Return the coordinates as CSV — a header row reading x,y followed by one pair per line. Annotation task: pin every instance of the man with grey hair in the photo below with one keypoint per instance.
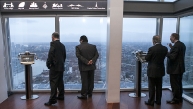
x,y
155,70
55,62
176,67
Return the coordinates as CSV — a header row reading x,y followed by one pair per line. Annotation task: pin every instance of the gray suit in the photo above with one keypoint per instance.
x,y
86,52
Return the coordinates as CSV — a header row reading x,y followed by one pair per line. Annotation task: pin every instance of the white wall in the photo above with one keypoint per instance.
x,y
114,48
3,84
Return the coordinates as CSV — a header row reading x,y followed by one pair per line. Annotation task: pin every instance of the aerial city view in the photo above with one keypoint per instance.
x,y
72,75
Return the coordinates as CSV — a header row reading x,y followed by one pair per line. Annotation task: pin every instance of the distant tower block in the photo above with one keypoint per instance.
x,y
70,69
98,64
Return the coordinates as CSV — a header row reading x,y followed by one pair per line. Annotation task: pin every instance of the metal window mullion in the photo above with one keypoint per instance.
x,y
159,26
57,24
178,25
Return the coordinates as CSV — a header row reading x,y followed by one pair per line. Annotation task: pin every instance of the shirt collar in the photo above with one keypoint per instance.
x,y
157,43
175,41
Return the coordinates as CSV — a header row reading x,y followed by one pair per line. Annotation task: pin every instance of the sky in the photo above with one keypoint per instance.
x,y
39,29
71,28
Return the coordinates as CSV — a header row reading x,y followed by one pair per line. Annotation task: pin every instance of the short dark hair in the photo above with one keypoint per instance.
x,y
56,35
175,35
156,39
83,38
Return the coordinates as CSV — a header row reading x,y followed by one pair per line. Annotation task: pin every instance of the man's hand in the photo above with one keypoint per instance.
x,y
90,62
170,45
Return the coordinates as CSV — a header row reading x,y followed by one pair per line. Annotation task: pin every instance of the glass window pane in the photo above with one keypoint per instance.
x,y
186,36
95,28
169,27
137,35
30,34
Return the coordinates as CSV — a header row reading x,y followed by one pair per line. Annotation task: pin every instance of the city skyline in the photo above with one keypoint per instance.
x,y
72,74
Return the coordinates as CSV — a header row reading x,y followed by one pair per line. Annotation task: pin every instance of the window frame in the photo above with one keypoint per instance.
x,y
57,28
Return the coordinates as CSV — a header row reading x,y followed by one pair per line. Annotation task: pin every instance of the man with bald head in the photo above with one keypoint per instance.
x,y
155,70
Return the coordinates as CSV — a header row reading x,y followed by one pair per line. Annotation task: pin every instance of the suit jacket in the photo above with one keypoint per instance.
x,y
155,58
175,59
56,56
86,52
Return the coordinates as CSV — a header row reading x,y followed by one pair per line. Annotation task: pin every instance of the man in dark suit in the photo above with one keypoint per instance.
x,y
176,67
55,62
155,70
87,55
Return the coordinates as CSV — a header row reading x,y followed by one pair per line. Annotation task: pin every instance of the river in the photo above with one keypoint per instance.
x,y
37,68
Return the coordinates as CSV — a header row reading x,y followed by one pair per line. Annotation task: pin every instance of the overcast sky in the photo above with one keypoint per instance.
x,y
71,28
95,28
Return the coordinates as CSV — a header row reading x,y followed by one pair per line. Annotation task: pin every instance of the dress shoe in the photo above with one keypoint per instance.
x,y
158,103
181,101
147,103
60,98
82,97
89,95
49,103
172,102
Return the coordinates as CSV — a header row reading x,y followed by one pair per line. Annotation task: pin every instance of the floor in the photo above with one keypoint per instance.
x,y
189,92
96,102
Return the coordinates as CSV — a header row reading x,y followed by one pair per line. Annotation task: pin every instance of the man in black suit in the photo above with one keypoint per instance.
x,y
87,55
155,70
176,67
55,62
